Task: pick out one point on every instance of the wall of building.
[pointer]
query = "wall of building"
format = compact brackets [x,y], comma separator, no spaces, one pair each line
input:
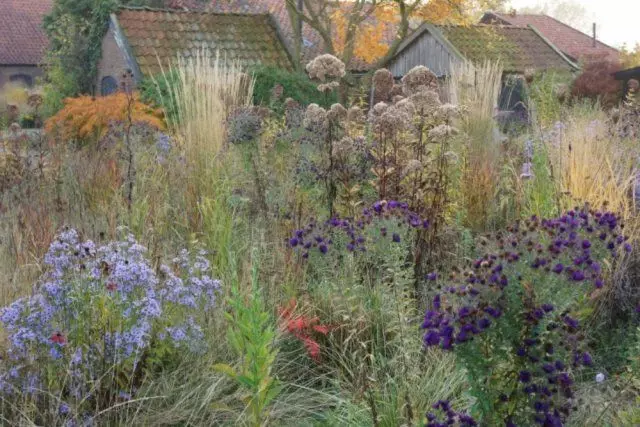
[427,51]
[9,71]
[113,63]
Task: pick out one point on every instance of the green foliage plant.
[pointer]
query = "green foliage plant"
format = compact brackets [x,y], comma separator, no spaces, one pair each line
[251,335]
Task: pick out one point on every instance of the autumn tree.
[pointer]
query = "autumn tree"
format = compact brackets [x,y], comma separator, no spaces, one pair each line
[372,30]
[630,57]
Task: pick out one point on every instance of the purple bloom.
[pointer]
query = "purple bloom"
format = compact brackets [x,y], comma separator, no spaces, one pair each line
[558,268]
[524,376]
[577,276]
[432,276]
[432,338]
[396,237]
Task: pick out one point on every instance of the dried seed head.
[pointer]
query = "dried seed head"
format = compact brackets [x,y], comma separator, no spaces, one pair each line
[337,113]
[426,102]
[419,79]
[315,117]
[355,114]
[326,67]
[382,85]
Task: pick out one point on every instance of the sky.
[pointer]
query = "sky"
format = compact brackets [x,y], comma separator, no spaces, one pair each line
[618,21]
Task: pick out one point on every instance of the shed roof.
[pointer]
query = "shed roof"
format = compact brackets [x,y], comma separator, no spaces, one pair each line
[630,73]
[571,41]
[22,37]
[152,35]
[519,49]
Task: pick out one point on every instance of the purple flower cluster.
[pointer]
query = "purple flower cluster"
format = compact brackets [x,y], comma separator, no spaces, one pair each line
[319,235]
[101,307]
[566,251]
[448,416]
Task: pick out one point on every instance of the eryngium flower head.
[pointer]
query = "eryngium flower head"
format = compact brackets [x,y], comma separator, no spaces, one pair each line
[419,79]
[326,67]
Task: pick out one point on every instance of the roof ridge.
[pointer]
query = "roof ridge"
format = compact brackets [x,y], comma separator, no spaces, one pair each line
[506,16]
[510,26]
[201,12]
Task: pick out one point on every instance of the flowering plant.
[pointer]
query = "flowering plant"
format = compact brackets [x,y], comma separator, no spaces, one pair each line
[521,351]
[98,314]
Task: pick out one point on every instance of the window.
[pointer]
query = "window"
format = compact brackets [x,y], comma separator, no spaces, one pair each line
[22,79]
[108,86]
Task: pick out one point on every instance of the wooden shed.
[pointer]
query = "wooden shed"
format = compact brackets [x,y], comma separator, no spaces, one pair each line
[626,75]
[519,50]
[437,47]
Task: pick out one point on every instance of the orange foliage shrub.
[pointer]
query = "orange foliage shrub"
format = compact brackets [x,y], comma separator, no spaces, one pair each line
[85,117]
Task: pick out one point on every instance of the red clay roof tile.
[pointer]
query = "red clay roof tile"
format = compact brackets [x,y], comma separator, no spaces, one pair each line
[250,39]
[22,38]
[571,41]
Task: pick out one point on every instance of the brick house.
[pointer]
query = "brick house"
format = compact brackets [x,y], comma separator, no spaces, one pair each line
[578,46]
[23,42]
[141,39]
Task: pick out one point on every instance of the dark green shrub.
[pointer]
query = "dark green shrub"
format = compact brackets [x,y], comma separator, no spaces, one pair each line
[294,85]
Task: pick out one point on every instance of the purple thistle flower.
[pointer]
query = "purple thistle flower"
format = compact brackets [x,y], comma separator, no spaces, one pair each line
[396,237]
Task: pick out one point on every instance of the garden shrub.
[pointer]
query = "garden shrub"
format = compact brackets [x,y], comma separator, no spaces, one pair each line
[100,318]
[274,85]
[85,118]
[596,82]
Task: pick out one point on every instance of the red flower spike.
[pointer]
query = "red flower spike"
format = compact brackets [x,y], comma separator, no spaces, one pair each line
[112,287]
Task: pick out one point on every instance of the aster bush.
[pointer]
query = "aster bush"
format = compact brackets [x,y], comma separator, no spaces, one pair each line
[515,316]
[98,320]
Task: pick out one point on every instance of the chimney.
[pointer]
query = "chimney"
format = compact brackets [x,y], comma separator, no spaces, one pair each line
[594,34]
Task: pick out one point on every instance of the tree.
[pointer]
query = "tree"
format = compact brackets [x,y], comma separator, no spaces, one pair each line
[630,57]
[372,30]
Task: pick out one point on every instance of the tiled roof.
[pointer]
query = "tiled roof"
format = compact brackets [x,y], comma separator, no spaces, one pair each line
[518,48]
[572,42]
[22,38]
[312,42]
[251,39]
[312,45]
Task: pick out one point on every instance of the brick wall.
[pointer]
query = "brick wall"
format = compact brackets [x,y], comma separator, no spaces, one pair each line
[7,71]
[113,62]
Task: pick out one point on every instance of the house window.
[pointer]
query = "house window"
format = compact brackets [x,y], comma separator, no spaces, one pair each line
[108,86]
[22,79]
